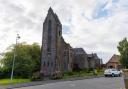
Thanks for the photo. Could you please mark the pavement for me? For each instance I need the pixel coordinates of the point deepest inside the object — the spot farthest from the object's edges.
(90, 83)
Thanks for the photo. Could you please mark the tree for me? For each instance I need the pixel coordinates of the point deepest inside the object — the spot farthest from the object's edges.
(123, 49)
(27, 60)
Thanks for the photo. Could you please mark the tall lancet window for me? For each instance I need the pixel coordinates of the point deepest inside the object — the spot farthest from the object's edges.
(49, 35)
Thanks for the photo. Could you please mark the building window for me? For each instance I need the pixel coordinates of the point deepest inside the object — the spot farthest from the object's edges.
(48, 63)
(59, 33)
(49, 35)
(44, 64)
(51, 64)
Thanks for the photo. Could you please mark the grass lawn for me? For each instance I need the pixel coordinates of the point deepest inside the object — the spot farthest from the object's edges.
(14, 81)
(80, 74)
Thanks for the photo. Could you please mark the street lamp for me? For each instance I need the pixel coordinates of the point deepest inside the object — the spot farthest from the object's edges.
(17, 37)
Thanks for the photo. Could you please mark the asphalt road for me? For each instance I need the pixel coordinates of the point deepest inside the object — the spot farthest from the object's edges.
(95, 83)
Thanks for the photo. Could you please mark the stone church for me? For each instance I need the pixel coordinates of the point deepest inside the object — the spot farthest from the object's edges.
(57, 55)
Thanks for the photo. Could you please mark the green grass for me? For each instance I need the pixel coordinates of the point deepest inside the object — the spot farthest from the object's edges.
(14, 81)
(76, 74)
(82, 73)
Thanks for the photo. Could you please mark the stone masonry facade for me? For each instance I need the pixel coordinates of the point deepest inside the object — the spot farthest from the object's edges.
(57, 55)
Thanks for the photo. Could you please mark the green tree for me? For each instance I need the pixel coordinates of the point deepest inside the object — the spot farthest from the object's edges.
(27, 60)
(123, 49)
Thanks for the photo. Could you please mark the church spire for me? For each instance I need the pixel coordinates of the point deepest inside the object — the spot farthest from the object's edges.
(50, 10)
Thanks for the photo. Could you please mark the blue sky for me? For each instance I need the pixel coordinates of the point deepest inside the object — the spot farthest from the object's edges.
(101, 12)
(95, 25)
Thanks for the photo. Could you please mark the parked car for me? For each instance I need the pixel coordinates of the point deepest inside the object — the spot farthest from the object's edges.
(112, 72)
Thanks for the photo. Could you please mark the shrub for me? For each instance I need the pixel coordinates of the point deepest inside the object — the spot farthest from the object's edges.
(70, 73)
(36, 76)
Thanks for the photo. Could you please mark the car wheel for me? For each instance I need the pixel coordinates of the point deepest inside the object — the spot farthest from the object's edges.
(113, 75)
(119, 75)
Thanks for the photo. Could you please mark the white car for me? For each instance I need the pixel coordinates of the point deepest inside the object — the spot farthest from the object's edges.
(112, 72)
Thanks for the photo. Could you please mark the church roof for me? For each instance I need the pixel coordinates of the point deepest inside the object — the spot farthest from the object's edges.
(90, 55)
(57, 19)
(50, 10)
(114, 58)
(93, 55)
(54, 15)
(79, 51)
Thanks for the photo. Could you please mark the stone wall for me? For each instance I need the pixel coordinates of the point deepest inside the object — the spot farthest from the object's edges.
(51, 56)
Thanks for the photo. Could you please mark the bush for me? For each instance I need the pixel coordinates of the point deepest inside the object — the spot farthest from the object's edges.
(36, 76)
(57, 75)
(4, 73)
(86, 70)
(70, 73)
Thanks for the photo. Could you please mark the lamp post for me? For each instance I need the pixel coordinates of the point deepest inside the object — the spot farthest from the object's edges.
(14, 56)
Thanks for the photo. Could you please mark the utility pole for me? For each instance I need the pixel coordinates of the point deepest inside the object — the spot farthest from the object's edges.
(14, 56)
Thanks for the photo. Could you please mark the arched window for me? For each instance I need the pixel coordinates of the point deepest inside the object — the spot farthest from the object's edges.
(49, 35)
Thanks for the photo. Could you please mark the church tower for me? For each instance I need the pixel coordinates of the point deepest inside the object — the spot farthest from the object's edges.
(51, 45)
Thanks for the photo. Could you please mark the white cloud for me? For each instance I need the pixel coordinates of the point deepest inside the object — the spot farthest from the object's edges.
(90, 28)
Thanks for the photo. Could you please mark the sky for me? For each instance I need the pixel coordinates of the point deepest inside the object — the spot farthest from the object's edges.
(95, 25)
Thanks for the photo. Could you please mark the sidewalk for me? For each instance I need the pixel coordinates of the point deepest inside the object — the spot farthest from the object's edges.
(34, 83)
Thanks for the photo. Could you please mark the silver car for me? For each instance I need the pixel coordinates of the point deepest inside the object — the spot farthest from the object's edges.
(112, 72)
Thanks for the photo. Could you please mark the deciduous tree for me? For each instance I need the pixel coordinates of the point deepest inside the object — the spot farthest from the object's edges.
(27, 60)
(123, 49)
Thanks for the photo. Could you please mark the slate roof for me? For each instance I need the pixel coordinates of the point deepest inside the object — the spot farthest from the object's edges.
(90, 55)
(79, 51)
(93, 55)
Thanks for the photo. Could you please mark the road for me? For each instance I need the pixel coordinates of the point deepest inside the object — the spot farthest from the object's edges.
(95, 83)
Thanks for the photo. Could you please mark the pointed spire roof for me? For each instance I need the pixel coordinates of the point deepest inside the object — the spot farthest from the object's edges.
(50, 10)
